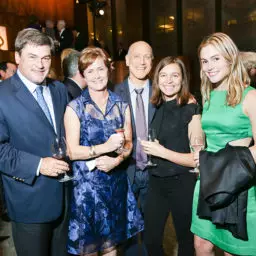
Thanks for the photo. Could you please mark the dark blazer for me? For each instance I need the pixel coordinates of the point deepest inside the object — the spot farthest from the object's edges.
(66, 39)
(73, 89)
(121, 54)
(123, 90)
(26, 136)
(225, 177)
(81, 41)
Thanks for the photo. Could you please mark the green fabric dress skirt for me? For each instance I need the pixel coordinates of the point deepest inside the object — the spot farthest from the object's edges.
(222, 124)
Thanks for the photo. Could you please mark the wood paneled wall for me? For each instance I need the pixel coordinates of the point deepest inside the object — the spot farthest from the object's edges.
(14, 14)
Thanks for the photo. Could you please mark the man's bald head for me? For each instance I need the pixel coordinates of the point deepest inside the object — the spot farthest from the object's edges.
(139, 45)
(139, 60)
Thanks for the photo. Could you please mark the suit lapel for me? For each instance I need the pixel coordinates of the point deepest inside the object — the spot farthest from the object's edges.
(151, 108)
(56, 103)
(127, 97)
(28, 100)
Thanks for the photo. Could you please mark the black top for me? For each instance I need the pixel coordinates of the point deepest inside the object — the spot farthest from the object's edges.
(171, 124)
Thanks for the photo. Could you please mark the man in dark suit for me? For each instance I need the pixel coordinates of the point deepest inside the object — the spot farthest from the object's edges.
(121, 52)
(31, 117)
(74, 81)
(65, 36)
(136, 90)
(80, 39)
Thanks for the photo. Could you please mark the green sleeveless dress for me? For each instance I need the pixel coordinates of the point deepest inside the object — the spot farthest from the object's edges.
(222, 124)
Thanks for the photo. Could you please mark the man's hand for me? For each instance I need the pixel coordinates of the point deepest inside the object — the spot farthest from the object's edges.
(53, 167)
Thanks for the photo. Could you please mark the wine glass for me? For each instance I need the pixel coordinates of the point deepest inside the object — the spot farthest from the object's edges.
(120, 129)
(151, 137)
(59, 151)
(197, 143)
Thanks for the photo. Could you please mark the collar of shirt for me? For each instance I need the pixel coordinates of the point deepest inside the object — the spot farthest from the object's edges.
(132, 86)
(31, 86)
(62, 31)
(46, 93)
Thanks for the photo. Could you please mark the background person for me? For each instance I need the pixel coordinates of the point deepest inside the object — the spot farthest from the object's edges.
(74, 81)
(7, 69)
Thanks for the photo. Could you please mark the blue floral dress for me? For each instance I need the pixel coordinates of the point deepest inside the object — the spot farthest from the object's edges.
(103, 209)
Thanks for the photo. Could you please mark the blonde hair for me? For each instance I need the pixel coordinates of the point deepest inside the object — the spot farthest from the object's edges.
(237, 79)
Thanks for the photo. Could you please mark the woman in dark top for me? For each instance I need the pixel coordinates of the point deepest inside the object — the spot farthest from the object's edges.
(171, 185)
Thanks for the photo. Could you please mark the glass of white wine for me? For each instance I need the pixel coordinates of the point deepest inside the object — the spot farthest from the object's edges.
(151, 137)
(197, 143)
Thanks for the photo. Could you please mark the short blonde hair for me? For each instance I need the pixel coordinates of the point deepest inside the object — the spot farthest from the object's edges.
(237, 79)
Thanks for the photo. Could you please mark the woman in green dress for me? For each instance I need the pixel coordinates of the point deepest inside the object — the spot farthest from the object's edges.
(229, 116)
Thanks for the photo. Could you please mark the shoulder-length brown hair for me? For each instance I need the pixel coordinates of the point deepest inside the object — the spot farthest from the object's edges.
(183, 95)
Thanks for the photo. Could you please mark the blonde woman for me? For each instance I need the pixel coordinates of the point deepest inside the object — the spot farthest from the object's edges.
(228, 115)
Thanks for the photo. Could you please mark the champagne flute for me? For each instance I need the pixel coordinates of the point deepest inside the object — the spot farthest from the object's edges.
(151, 137)
(197, 143)
(59, 151)
(120, 129)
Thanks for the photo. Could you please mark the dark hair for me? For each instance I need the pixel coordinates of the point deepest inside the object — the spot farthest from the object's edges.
(183, 95)
(34, 37)
(89, 55)
(3, 65)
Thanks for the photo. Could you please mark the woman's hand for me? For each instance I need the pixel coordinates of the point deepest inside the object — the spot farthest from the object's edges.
(152, 147)
(106, 163)
(114, 142)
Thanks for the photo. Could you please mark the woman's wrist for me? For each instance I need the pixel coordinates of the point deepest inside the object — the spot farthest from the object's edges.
(92, 152)
(120, 158)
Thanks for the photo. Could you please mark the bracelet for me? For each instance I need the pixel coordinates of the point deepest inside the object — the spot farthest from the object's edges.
(92, 152)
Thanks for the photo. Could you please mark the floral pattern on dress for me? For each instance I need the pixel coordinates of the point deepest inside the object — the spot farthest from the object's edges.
(104, 210)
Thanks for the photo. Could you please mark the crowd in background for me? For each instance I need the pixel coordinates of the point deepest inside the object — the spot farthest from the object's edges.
(118, 200)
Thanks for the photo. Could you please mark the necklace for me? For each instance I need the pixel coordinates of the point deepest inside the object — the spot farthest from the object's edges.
(102, 105)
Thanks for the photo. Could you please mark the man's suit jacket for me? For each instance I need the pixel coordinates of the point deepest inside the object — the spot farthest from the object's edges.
(123, 90)
(73, 89)
(66, 39)
(81, 41)
(26, 136)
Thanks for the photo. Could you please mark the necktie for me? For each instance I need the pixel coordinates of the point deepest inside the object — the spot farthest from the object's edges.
(42, 103)
(141, 130)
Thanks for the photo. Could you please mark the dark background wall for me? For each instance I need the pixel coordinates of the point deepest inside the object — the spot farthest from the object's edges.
(172, 27)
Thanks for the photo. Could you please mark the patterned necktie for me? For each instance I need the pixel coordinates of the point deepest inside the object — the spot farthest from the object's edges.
(42, 103)
(141, 130)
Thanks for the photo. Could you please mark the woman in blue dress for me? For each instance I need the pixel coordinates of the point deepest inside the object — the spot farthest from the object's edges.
(104, 211)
